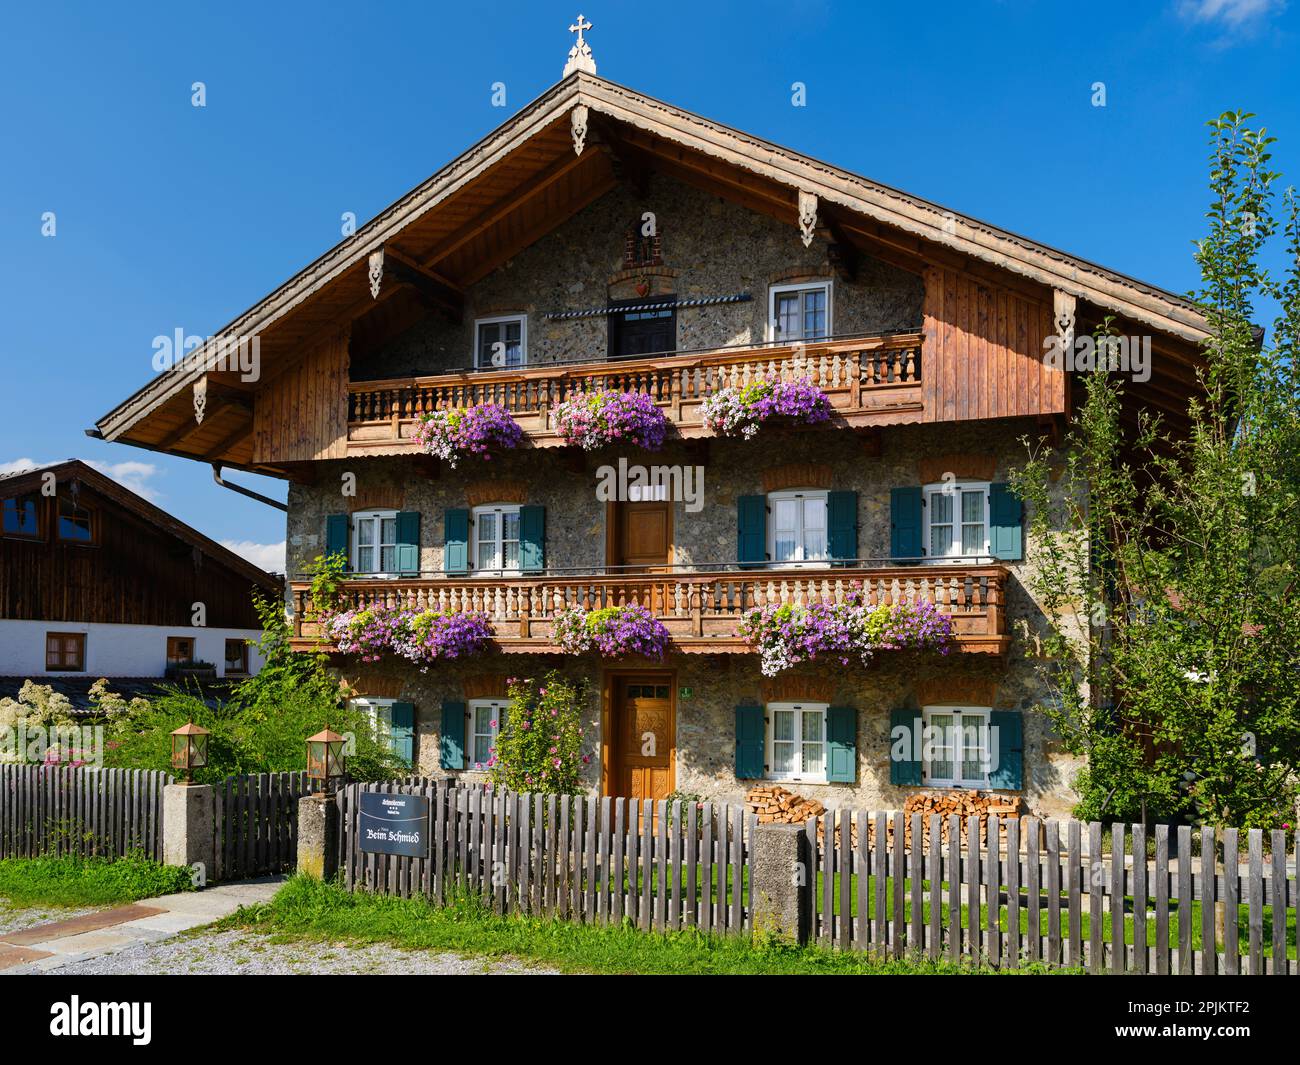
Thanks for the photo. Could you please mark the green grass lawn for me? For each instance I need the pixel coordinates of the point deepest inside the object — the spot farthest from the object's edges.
(309, 909)
(72, 881)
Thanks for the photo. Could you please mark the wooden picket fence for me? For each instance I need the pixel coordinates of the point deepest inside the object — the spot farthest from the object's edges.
(62, 810)
(256, 824)
(659, 865)
(1059, 893)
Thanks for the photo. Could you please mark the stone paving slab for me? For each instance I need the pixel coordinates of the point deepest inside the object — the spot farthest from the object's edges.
(11, 956)
(76, 925)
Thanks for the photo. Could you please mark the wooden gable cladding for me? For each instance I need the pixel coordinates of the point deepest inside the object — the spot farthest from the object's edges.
(301, 414)
(984, 351)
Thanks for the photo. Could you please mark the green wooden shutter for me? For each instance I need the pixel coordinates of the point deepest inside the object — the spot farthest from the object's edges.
(451, 741)
(455, 541)
(905, 522)
(403, 732)
(337, 527)
(1006, 525)
(842, 525)
(842, 744)
(408, 542)
(1009, 775)
(904, 770)
(749, 742)
(532, 539)
(751, 530)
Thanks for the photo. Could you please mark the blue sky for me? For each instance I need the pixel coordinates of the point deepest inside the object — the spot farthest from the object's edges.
(170, 216)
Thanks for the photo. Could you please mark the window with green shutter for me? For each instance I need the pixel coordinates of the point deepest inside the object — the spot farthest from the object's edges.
(749, 742)
(408, 542)
(905, 522)
(841, 745)
(402, 732)
(751, 530)
(842, 525)
(451, 738)
(455, 541)
(904, 746)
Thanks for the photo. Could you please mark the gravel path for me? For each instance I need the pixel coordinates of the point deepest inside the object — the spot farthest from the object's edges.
(241, 952)
(20, 918)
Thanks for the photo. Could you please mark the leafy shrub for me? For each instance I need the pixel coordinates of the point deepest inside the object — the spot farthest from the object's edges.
(540, 748)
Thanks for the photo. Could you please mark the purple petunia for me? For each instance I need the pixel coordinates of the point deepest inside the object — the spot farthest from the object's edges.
(742, 411)
(479, 430)
(592, 420)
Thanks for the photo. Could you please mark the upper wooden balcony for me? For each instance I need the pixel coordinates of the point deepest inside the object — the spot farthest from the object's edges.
(700, 610)
(868, 381)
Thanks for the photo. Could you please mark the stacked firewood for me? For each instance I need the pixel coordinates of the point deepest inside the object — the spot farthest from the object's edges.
(774, 804)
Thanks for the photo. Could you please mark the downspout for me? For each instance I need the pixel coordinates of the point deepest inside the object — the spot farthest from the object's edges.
(216, 476)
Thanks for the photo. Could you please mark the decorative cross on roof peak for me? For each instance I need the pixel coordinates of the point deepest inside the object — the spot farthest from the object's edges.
(580, 57)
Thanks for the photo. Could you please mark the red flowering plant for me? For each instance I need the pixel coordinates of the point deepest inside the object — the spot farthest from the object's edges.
(614, 631)
(540, 745)
(479, 430)
(592, 420)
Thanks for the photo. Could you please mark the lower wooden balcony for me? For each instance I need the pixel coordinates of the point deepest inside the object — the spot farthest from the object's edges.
(700, 610)
(867, 381)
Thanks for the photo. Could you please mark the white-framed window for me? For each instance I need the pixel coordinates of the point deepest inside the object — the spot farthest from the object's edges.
(486, 719)
(500, 343)
(496, 539)
(374, 542)
(955, 751)
(957, 519)
(796, 527)
(380, 712)
(796, 742)
(799, 312)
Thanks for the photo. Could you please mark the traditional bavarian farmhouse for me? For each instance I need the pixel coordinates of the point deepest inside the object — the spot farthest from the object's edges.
(97, 582)
(600, 239)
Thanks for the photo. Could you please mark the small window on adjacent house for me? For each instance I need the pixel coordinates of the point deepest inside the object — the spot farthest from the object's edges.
(374, 542)
(236, 657)
(22, 516)
(487, 718)
(957, 519)
(380, 712)
(65, 651)
(797, 527)
(180, 649)
(496, 539)
(955, 747)
(800, 312)
(75, 523)
(500, 343)
(796, 742)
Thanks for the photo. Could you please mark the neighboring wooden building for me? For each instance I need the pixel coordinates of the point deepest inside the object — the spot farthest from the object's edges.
(522, 273)
(97, 582)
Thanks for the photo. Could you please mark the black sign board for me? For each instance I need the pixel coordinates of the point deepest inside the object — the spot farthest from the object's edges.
(394, 824)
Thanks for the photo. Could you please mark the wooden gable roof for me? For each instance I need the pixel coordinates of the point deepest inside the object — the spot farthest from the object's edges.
(533, 173)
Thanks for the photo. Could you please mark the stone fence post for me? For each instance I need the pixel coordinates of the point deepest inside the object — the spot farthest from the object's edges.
(187, 826)
(318, 836)
(782, 885)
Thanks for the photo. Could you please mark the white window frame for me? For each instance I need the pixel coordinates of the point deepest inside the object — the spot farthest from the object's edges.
(955, 488)
(499, 708)
(983, 714)
(378, 517)
(827, 285)
(477, 567)
(769, 727)
(380, 712)
(798, 562)
(502, 319)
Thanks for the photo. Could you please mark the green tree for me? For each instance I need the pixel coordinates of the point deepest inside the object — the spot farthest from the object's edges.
(1166, 559)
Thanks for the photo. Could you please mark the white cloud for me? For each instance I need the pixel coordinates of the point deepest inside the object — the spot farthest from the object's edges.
(131, 475)
(1231, 15)
(269, 556)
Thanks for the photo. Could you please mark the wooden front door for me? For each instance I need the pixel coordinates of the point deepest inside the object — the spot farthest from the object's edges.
(641, 537)
(644, 737)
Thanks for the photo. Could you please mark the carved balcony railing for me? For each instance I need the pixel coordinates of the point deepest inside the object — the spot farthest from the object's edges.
(868, 381)
(700, 610)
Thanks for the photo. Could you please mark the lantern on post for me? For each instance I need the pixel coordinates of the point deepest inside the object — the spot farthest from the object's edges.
(325, 762)
(190, 749)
